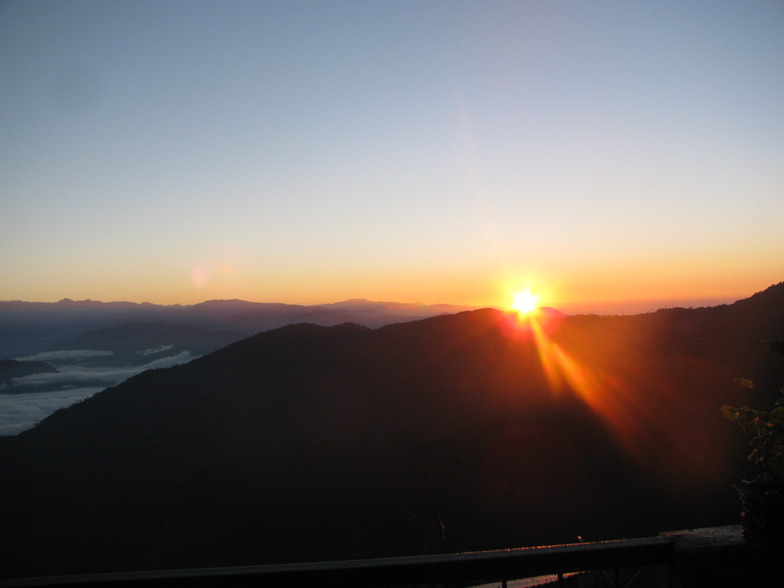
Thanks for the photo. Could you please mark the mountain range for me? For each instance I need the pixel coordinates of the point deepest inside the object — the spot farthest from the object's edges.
(474, 430)
(135, 343)
(28, 327)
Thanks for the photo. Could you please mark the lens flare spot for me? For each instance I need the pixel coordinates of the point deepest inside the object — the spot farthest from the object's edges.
(200, 276)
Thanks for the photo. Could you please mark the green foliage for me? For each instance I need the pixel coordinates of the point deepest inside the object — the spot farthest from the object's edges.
(764, 431)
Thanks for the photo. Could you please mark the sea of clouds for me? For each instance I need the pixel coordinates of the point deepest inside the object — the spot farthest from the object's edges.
(28, 400)
(19, 412)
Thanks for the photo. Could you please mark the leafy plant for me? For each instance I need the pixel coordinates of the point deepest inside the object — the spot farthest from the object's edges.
(764, 431)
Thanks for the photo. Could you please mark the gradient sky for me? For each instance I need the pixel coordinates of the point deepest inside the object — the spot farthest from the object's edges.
(309, 152)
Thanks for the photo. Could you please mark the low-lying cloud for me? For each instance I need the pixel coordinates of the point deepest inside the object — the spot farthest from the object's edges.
(75, 375)
(19, 412)
(29, 399)
(156, 350)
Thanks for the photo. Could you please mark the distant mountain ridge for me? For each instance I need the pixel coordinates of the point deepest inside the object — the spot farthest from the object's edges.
(309, 442)
(133, 343)
(31, 326)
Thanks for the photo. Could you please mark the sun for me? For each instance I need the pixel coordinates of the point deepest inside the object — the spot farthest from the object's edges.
(525, 302)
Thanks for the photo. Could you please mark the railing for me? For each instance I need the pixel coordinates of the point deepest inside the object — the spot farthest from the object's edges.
(716, 556)
(455, 568)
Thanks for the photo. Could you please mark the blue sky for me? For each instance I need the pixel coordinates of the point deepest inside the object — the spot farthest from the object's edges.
(309, 152)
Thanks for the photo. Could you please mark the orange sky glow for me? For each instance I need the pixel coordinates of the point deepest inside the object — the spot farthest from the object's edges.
(307, 154)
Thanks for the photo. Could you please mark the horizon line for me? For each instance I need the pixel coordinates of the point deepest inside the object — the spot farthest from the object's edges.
(599, 307)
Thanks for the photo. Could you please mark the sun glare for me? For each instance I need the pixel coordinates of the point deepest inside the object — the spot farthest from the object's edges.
(525, 302)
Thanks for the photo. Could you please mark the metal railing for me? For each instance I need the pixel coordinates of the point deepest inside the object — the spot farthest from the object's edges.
(454, 568)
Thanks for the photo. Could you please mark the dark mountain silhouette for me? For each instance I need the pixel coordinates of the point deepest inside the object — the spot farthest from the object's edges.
(308, 442)
(11, 368)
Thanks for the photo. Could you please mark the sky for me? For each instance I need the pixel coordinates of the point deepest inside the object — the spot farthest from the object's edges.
(603, 154)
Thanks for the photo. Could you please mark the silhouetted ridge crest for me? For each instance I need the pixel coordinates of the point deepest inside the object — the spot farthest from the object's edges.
(309, 442)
